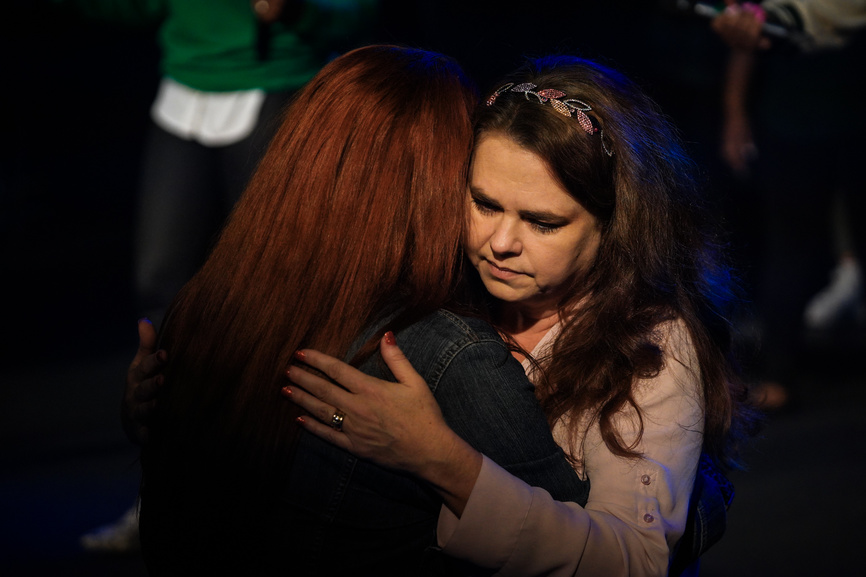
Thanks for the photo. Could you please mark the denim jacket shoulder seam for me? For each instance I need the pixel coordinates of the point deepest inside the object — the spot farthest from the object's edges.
(469, 337)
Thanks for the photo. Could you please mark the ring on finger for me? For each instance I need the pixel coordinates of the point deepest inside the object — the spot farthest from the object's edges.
(337, 420)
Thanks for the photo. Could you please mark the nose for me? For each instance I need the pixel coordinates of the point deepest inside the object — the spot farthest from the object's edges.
(505, 240)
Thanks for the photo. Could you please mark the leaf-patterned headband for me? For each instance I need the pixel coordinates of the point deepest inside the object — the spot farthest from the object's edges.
(571, 107)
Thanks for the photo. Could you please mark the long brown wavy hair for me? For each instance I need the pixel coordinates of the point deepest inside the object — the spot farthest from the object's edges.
(658, 258)
(355, 211)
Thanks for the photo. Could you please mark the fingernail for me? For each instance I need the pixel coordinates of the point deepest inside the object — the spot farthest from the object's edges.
(300, 356)
(287, 392)
(145, 319)
(301, 421)
(389, 338)
(289, 373)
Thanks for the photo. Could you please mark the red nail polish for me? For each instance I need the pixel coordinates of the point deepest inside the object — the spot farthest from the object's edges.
(301, 421)
(287, 392)
(389, 338)
(300, 356)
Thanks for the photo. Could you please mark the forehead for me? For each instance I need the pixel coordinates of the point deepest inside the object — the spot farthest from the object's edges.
(504, 171)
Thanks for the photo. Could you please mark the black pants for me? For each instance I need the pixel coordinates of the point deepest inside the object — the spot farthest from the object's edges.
(186, 192)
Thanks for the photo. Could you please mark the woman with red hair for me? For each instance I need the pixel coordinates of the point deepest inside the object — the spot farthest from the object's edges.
(587, 233)
(350, 227)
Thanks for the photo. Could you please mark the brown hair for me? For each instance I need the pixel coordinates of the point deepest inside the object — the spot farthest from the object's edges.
(657, 261)
(355, 212)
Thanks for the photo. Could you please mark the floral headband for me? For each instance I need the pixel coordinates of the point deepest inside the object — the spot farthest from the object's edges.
(571, 107)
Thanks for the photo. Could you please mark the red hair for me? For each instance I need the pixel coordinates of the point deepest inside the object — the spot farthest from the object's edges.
(355, 211)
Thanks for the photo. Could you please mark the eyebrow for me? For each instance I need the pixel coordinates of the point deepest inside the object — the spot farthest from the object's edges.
(533, 215)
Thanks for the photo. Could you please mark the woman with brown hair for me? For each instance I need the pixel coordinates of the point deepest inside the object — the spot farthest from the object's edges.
(351, 226)
(588, 232)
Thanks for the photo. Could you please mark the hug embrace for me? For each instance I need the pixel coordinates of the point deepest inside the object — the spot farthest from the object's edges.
(503, 322)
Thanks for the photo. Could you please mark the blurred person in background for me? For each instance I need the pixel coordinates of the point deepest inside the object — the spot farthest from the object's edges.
(793, 124)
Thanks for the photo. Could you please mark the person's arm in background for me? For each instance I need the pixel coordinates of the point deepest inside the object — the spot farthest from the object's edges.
(740, 27)
(738, 147)
(812, 24)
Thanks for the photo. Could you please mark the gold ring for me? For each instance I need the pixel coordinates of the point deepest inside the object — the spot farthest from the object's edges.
(337, 420)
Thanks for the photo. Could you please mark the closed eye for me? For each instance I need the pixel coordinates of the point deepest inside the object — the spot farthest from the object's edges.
(545, 227)
(484, 207)
(542, 222)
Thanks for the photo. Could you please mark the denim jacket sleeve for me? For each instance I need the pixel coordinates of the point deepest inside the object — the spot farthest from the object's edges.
(487, 399)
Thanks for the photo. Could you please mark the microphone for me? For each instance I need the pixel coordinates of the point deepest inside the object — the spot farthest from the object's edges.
(710, 12)
(788, 33)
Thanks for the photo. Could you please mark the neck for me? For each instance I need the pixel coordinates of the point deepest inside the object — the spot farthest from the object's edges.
(526, 327)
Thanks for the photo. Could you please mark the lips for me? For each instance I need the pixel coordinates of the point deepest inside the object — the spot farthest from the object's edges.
(501, 272)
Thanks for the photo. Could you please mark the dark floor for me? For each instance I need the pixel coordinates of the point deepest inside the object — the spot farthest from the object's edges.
(67, 467)
(798, 509)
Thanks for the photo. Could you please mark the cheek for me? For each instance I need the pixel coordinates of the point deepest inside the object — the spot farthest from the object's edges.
(558, 263)
(590, 250)
(474, 234)
(554, 271)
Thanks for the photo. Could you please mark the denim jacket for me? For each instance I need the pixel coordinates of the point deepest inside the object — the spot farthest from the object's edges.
(341, 515)
(356, 518)
(381, 520)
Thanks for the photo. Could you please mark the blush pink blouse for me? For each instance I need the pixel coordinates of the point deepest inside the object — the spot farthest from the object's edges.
(637, 508)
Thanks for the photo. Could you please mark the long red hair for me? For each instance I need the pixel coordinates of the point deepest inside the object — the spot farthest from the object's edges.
(355, 211)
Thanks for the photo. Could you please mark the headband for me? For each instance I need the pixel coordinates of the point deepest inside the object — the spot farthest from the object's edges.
(571, 107)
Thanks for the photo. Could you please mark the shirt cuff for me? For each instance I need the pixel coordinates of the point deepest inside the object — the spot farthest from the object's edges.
(492, 520)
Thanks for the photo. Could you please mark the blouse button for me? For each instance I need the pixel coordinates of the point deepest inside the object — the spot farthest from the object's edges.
(645, 479)
(649, 518)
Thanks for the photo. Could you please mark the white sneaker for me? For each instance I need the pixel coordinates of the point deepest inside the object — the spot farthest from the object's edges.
(118, 537)
(839, 300)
